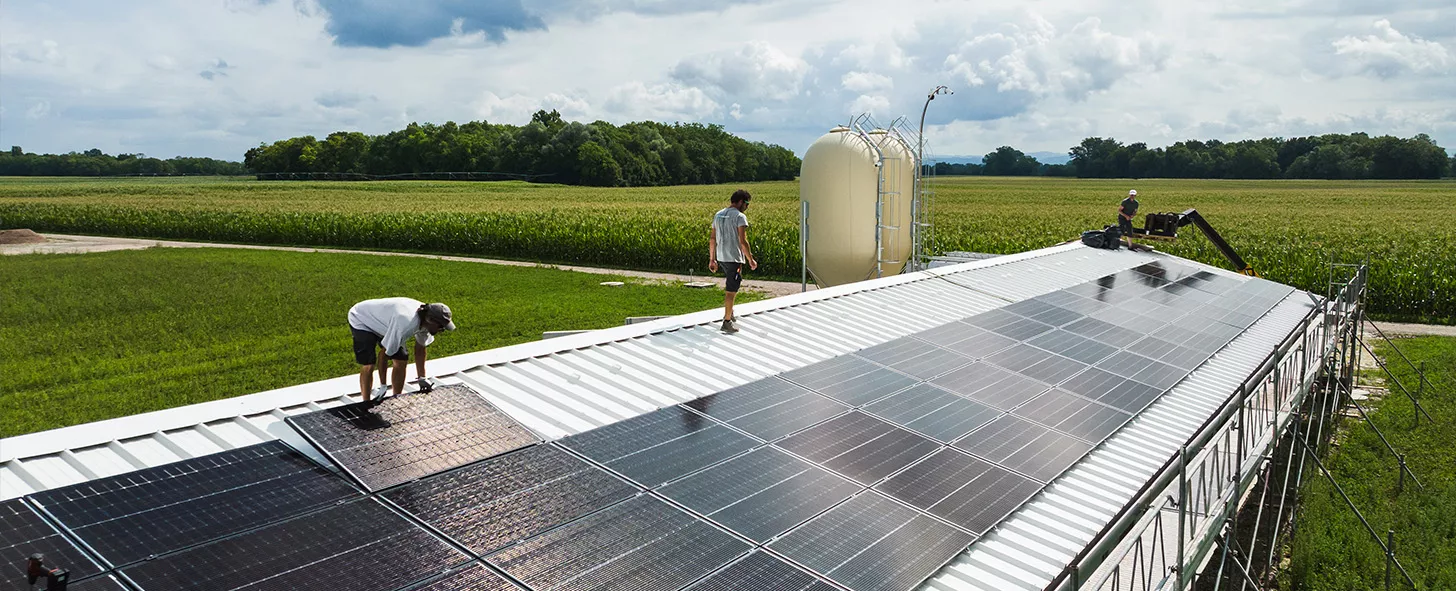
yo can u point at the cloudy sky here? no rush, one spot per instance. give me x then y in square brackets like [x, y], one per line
[215, 77]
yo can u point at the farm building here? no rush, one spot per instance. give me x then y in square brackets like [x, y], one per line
[1033, 421]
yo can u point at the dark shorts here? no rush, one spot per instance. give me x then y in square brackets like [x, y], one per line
[734, 273]
[1125, 225]
[366, 346]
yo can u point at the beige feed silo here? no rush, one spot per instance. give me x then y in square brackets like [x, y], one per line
[839, 181]
[899, 166]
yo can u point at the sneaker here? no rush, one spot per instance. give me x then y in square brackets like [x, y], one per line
[729, 327]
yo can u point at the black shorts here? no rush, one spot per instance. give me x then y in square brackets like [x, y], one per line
[734, 273]
[366, 345]
[1125, 225]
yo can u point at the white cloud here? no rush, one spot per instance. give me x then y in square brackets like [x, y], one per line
[38, 110]
[755, 70]
[1388, 52]
[866, 82]
[515, 109]
[660, 102]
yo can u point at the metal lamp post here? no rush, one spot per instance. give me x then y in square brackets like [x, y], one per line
[920, 172]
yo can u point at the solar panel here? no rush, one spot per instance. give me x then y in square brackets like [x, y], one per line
[1129, 395]
[503, 500]
[1037, 364]
[850, 379]
[761, 571]
[871, 543]
[761, 494]
[1025, 447]
[933, 412]
[981, 345]
[776, 421]
[131, 516]
[106, 583]
[23, 532]
[991, 385]
[1073, 347]
[914, 357]
[746, 399]
[641, 544]
[361, 546]
[471, 578]
[961, 489]
[412, 435]
[662, 445]
[1083, 418]
[1022, 329]
[859, 446]
[948, 333]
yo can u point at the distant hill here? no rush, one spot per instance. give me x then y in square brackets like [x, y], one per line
[1042, 157]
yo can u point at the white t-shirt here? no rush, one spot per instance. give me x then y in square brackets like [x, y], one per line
[395, 319]
[726, 223]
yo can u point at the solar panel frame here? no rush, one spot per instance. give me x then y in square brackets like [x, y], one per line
[1072, 346]
[101, 583]
[778, 421]
[492, 504]
[447, 428]
[914, 357]
[859, 446]
[933, 412]
[964, 490]
[761, 494]
[131, 516]
[1073, 415]
[850, 379]
[473, 577]
[747, 399]
[1025, 447]
[948, 333]
[762, 571]
[991, 385]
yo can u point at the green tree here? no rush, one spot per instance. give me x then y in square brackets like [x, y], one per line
[596, 167]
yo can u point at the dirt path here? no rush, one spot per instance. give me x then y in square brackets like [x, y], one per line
[68, 244]
[1411, 330]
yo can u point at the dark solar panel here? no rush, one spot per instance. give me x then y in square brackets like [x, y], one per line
[1037, 364]
[131, 516]
[684, 455]
[412, 435]
[748, 398]
[949, 333]
[106, 583]
[612, 441]
[361, 546]
[1077, 416]
[471, 578]
[961, 489]
[640, 545]
[981, 345]
[850, 379]
[761, 571]
[1025, 447]
[991, 385]
[782, 419]
[859, 446]
[1160, 376]
[933, 412]
[872, 543]
[1129, 395]
[22, 533]
[914, 357]
[500, 501]
[993, 319]
[1022, 329]
[761, 494]
[1072, 346]
[1092, 383]
[1150, 347]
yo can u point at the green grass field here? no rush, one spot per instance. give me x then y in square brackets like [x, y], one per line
[1332, 551]
[1289, 230]
[98, 336]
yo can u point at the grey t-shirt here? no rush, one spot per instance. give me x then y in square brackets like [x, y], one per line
[726, 223]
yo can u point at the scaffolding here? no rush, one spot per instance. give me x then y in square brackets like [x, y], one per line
[1218, 511]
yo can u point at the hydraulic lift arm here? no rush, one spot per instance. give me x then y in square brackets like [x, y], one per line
[1165, 226]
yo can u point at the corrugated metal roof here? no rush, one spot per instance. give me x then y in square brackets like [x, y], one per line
[575, 383]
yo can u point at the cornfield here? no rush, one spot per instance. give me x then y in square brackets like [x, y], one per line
[1289, 230]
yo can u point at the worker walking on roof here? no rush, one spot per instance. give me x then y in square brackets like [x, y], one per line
[728, 248]
[385, 324]
[1125, 213]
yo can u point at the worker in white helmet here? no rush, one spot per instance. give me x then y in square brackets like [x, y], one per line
[1125, 213]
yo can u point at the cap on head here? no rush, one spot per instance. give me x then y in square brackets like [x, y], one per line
[1132, 193]
[439, 314]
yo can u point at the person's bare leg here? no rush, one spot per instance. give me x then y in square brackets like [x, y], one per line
[728, 304]
[382, 363]
[366, 380]
[399, 375]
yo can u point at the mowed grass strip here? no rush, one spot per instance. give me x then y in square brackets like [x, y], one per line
[98, 336]
[1332, 550]
[1289, 230]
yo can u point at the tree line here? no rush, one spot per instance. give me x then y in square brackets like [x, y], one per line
[1330, 156]
[93, 162]
[547, 148]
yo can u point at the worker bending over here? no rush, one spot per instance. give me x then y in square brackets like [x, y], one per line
[728, 248]
[385, 324]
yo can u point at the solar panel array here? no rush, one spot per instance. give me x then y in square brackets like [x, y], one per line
[24, 532]
[875, 468]
[868, 471]
[129, 517]
[412, 435]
